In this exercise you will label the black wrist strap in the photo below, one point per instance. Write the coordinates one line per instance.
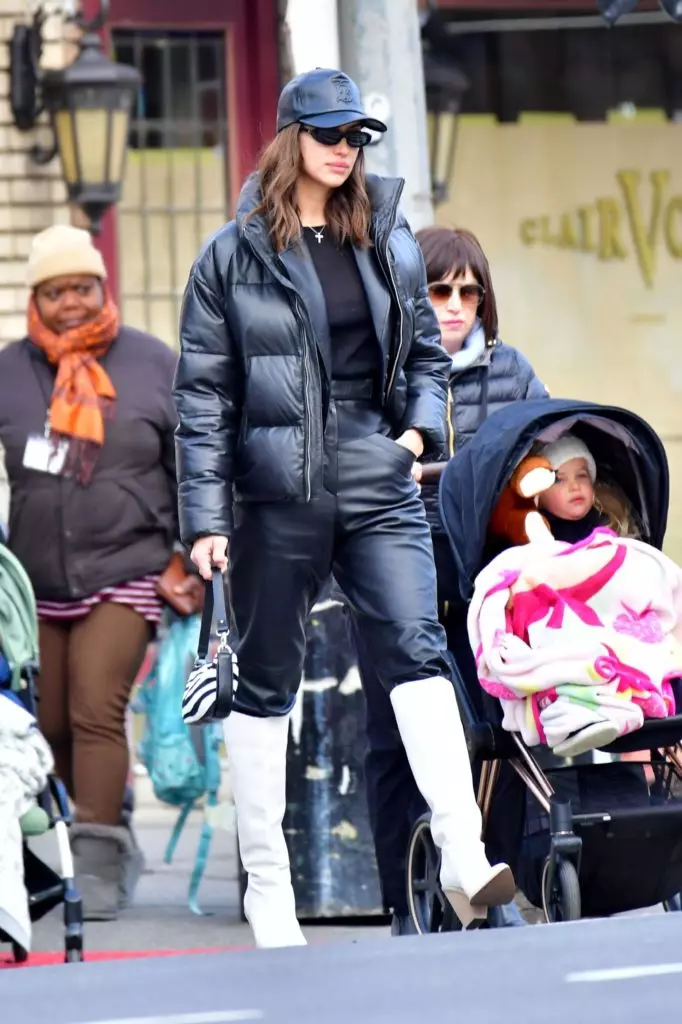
(214, 603)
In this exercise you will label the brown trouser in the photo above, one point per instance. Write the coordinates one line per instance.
(88, 668)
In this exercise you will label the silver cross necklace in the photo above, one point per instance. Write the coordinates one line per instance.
(319, 234)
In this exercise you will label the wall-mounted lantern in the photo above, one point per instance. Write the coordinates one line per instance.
(89, 103)
(446, 85)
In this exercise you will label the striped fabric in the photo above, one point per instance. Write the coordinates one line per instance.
(137, 594)
(200, 693)
(210, 689)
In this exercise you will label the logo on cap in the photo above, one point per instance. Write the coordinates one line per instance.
(344, 92)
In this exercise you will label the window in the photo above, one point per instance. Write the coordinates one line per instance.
(176, 188)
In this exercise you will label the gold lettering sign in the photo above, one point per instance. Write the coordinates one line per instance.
(635, 222)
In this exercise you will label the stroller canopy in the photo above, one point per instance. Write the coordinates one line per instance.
(627, 451)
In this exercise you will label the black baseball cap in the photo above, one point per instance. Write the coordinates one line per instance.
(323, 98)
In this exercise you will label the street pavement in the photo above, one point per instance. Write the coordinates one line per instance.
(628, 969)
(160, 917)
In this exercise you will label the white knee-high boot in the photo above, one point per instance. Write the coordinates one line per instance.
(431, 730)
(256, 755)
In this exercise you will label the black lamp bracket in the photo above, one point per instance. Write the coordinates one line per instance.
(26, 76)
(35, 49)
(26, 48)
(43, 155)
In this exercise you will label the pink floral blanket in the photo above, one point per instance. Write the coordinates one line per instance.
(579, 642)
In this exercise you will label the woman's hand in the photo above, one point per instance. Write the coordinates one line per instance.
(414, 442)
(209, 553)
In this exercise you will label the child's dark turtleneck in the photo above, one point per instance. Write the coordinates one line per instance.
(571, 531)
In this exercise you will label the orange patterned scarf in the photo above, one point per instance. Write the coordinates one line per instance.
(83, 395)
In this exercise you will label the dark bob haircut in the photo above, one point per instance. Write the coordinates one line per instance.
(447, 253)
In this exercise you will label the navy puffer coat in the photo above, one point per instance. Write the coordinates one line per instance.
(502, 375)
(499, 376)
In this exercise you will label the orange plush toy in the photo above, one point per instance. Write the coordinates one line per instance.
(515, 518)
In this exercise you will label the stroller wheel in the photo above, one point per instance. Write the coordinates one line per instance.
(19, 953)
(674, 904)
(561, 901)
(429, 909)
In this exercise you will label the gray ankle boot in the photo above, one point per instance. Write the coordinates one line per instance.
(101, 853)
(133, 866)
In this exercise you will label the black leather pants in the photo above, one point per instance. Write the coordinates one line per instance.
(367, 526)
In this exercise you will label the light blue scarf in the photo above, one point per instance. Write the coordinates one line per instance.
(472, 349)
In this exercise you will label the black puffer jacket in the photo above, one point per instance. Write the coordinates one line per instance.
(499, 376)
(252, 384)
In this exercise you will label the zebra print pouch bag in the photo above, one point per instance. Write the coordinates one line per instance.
(209, 691)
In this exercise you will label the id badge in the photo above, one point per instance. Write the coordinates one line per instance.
(43, 456)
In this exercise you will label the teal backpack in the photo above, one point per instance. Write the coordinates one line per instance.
(183, 762)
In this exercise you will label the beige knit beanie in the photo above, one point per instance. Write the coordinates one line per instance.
(63, 249)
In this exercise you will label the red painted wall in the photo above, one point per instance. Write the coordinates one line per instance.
(252, 69)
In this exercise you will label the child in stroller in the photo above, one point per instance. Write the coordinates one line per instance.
(576, 636)
(578, 502)
(587, 824)
(32, 800)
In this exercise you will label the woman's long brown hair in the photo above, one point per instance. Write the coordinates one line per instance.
(348, 207)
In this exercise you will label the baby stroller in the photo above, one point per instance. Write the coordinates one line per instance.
(19, 658)
(588, 836)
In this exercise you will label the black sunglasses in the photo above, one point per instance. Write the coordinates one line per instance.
(355, 137)
(469, 294)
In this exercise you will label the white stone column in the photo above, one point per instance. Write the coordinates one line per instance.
(313, 34)
(381, 50)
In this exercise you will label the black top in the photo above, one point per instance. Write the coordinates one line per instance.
(355, 350)
(572, 531)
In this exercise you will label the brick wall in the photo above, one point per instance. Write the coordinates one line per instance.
(31, 197)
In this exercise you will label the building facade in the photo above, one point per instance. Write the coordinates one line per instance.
(568, 167)
(210, 74)
(210, 82)
(31, 197)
